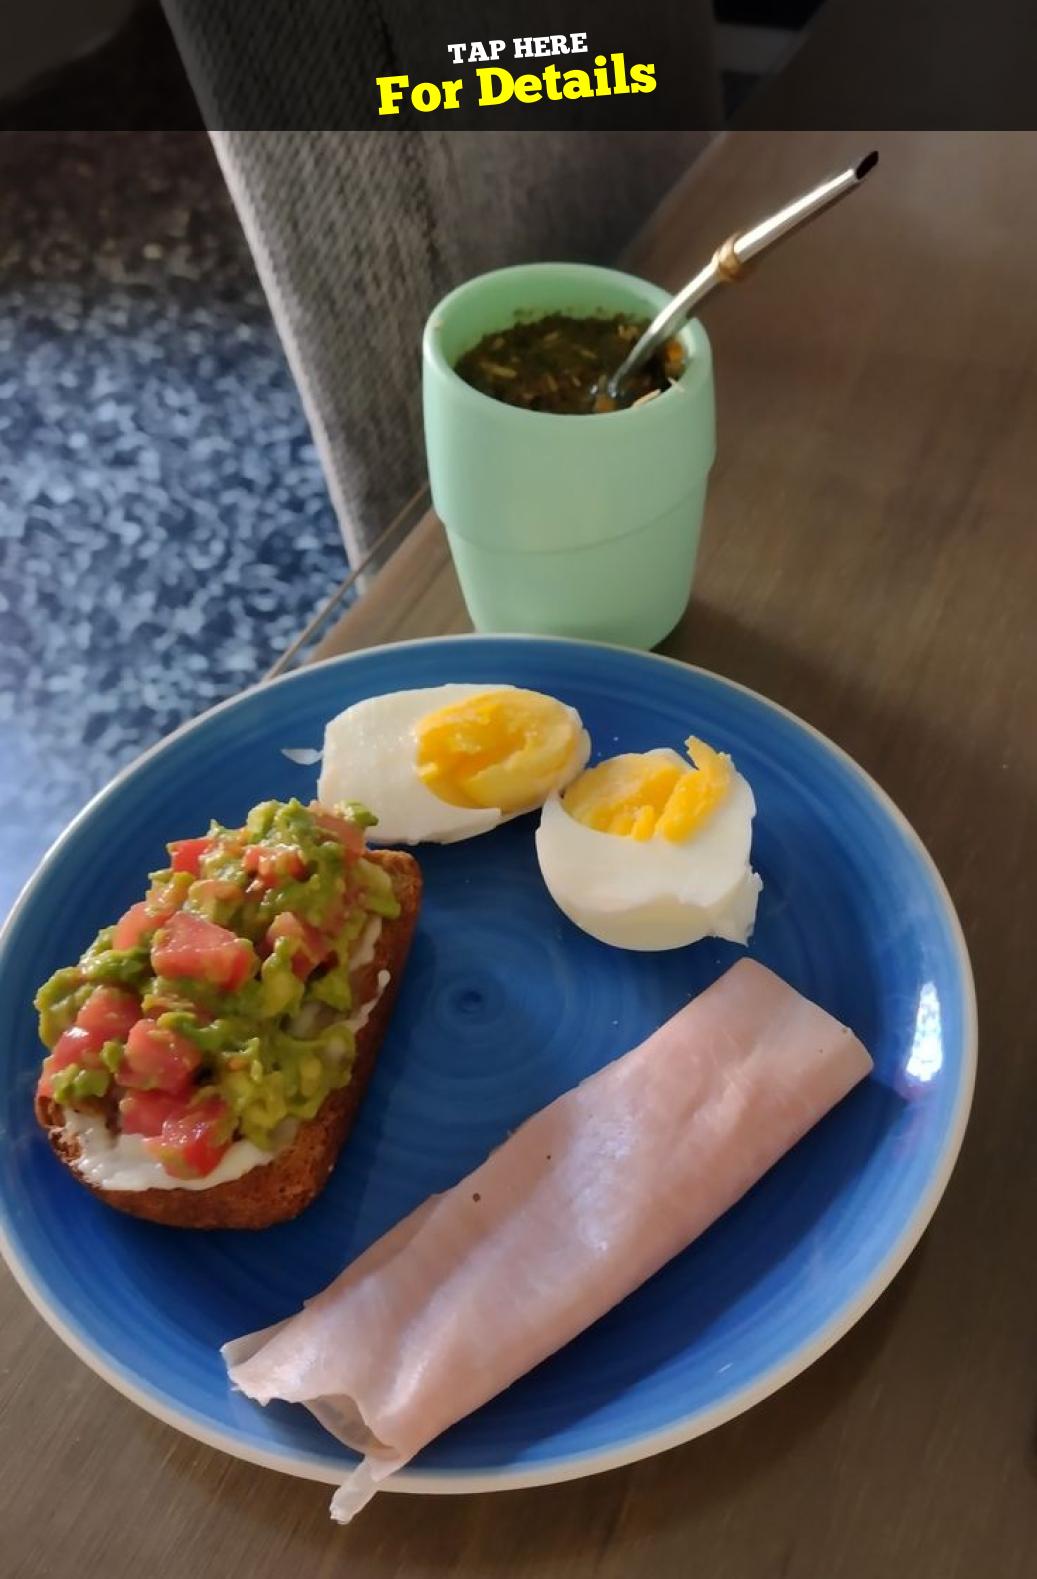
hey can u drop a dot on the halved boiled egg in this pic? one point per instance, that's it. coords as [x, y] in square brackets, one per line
[645, 851]
[449, 761]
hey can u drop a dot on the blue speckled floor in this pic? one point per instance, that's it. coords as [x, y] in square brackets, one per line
[164, 525]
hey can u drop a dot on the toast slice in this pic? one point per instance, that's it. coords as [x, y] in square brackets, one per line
[281, 1189]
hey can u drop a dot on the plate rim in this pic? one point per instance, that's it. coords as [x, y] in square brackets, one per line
[646, 1445]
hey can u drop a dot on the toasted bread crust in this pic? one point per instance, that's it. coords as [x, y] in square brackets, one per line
[281, 1189]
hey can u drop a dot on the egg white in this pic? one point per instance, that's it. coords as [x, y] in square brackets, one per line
[656, 893]
[370, 755]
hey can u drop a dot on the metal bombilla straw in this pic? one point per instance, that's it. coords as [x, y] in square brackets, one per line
[729, 260]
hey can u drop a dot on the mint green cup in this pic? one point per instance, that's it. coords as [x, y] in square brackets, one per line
[565, 525]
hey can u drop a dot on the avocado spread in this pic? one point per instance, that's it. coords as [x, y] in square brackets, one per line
[217, 1007]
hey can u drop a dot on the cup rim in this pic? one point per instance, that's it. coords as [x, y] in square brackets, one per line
[697, 368]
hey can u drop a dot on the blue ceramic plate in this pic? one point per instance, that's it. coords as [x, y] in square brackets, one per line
[504, 1005]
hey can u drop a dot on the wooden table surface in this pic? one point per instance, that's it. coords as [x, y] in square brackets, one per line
[870, 561]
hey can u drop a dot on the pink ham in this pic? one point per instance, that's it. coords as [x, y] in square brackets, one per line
[581, 1205]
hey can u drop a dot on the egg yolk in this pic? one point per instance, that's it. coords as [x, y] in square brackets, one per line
[639, 797]
[501, 748]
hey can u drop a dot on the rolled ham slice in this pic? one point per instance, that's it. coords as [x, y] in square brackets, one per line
[574, 1211]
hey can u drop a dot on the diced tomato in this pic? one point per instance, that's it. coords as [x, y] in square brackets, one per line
[274, 863]
[78, 1045]
[310, 946]
[190, 945]
[186, 854]
[143, 918]
[110, 1013]
[158, 1059]
[74, 1046]
[137, 924]
[145, 1112]
[192, 1143]
[344, 830]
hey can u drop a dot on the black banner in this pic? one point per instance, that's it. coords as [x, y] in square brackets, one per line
[548, 65]
[466, 65]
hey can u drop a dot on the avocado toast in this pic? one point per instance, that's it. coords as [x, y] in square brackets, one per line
[208, 1054]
